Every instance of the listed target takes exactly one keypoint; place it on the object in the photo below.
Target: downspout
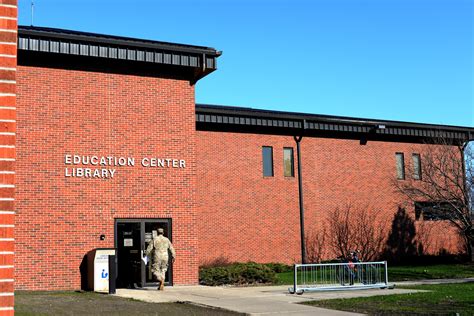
(202, 70)
(470, 138)
(204, 62)
(467, 188)
(300, 191)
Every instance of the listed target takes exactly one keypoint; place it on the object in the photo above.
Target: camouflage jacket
(158, 248)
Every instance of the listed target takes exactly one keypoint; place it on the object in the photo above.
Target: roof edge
(253, 112)
(114, 40)
(259, 121)
(64, 48)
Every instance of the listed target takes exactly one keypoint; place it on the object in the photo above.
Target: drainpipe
(469, 197)
(300, 191)
(463, 154)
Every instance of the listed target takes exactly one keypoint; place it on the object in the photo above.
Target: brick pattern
(60, 219)
(8, 34)
(244, 216)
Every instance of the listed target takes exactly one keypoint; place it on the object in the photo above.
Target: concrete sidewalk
(262, 300)
(436, 281)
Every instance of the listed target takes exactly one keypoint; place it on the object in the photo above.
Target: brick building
(348, 164)
(8, 52)
(110, 145)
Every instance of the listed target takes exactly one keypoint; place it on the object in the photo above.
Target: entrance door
(132, 237)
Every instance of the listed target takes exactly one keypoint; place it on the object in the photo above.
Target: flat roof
(112, 39)
(244, 119)
(42, 41)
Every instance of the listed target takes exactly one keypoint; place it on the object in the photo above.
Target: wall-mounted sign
(105, 167)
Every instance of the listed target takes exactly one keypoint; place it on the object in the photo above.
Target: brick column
(8, 54)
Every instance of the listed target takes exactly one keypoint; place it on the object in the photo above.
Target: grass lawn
(442, 271)
(406, 273)
(443, 299)
(89, 303)
(285, 278)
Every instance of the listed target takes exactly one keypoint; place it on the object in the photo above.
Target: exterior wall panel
(247, 217)
(8, 61)
(61, 218)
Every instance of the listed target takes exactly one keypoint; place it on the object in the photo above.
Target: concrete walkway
(262, 300)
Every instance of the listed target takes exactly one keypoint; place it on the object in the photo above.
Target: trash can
(102, 270)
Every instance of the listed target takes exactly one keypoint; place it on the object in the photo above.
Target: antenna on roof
(32, 11)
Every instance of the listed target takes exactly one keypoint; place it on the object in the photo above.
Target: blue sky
(408, 60)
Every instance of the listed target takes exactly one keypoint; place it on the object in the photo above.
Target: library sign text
(105, 167)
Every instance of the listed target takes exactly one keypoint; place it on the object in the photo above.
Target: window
(288, 163)
(434, 211)
(267, 154)
(400, 166)
(416, 166)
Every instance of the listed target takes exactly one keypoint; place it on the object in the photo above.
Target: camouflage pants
(159, 269)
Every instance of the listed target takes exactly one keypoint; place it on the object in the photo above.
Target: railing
(339, 276)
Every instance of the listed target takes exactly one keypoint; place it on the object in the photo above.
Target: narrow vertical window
(400, 166)
(416, 166)
(288, 163)
(267, 154)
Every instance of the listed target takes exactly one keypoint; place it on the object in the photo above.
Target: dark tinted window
(434, 211)
(400, 166)
(416, 166)
(267, 154)
(288, 164)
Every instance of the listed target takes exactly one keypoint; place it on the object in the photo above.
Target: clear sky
(408, 60)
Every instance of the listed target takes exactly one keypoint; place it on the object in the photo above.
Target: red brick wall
(245, 216)
(220, 202)
(8, 33)
(91, 113)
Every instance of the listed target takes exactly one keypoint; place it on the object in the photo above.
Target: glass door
(128, 244)
(132, 237)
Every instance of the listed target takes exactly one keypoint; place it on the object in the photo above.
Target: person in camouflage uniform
(157, 250)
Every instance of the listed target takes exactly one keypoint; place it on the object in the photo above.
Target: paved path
(263, 300)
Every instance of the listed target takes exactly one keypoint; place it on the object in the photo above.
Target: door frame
(142, 222)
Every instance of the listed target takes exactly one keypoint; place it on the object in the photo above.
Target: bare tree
(444, 191)
(352, 228)
(424, 238)
(315, 245)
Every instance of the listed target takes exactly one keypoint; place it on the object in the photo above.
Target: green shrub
(237, 274)
(215, 276)
(279, 267)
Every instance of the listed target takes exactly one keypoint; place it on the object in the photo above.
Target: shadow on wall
(403, 245)
(401, 242)
(84, 275)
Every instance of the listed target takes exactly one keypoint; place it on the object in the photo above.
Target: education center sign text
(105, 167)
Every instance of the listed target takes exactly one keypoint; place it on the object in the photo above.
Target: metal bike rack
(339, 276)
